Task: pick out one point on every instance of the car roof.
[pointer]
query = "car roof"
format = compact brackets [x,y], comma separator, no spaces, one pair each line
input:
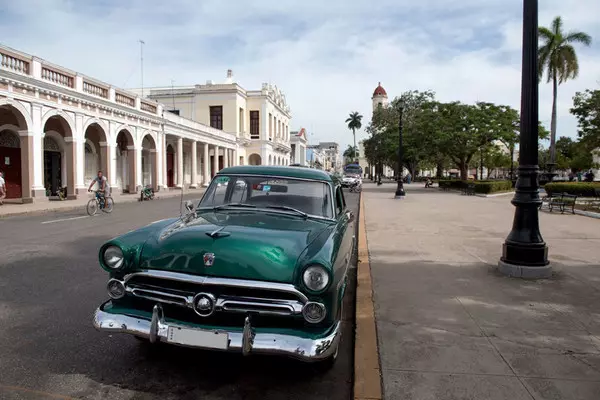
[279,170]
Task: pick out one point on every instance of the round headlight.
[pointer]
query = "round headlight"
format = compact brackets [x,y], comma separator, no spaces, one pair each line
[315,278]
[113,257]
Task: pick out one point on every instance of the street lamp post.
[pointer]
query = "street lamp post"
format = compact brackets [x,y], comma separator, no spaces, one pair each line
[400,189]
[524,253]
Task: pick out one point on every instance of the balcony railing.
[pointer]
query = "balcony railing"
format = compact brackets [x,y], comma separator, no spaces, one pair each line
[57,77]
[13,63]
[95,90]
[149,107]
[122,98]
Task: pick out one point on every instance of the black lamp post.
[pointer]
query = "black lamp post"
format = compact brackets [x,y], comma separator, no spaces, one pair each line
[400,189]
[524,253]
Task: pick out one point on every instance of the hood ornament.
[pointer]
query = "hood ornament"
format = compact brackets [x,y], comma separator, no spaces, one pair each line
[218,233]
[209,259]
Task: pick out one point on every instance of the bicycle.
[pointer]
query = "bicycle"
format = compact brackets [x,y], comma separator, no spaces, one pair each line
[104,203]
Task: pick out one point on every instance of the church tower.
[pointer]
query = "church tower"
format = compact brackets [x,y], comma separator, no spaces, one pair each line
[379,97]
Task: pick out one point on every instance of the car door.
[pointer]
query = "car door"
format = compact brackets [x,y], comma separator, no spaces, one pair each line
[343,237]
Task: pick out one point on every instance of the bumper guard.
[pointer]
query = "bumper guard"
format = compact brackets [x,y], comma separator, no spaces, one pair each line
[247,342]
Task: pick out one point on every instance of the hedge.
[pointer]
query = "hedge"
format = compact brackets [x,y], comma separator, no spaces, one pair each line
[582,189]
[484,187]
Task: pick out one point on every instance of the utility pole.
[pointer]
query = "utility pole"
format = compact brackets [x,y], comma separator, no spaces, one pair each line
[142,43]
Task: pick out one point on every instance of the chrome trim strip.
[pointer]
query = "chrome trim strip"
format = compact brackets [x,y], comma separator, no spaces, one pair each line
[212,281]
[247,341]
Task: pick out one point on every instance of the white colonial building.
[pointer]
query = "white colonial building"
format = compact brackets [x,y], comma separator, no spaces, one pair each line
[260,118]
[298,142]
[59,127]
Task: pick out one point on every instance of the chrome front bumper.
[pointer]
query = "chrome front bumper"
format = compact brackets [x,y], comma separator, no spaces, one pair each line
[246,342]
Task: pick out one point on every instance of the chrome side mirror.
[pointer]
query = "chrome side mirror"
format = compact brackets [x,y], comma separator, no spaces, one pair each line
[189,205]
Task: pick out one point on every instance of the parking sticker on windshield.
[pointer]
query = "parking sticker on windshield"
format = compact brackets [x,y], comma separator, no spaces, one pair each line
[266,188]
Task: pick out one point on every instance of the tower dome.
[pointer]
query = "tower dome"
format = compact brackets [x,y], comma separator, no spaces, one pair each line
[379,91]
[379,97]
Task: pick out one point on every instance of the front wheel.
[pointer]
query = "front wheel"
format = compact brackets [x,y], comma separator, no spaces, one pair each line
[92,207]
[108,205]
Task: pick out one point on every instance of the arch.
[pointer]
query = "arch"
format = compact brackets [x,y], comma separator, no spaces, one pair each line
[128,138]
[150,137]
[10,127]
[93,120]
[57,137]
[62,116]
[91,145]
[170,148]
[23,115]
[9,138]
[129,131]
[96,133]
[254,159]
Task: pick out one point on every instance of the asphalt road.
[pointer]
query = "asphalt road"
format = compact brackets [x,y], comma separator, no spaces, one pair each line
[50,285]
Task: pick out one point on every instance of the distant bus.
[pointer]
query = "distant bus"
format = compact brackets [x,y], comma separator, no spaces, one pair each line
[353,169]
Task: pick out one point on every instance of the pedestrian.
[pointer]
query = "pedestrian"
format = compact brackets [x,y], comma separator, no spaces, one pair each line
[2,188]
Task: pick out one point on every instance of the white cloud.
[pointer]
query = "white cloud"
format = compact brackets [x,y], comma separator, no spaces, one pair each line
[327,56]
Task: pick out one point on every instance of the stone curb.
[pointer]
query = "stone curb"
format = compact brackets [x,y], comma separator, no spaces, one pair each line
[82,206]
[367,372]
[590,214]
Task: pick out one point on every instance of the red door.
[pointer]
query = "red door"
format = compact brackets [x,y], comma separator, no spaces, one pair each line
[170,169]
[10,164]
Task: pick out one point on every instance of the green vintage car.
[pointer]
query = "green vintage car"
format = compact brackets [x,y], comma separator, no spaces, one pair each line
[258,266]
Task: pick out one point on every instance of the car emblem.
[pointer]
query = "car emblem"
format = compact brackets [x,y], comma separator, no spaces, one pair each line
[209,259]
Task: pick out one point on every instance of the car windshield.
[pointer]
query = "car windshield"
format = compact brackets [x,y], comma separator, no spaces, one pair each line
[310,197]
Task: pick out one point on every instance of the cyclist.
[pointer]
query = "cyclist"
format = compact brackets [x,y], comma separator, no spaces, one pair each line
[103,187]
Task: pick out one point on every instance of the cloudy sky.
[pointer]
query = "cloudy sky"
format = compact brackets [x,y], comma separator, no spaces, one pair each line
[327,56]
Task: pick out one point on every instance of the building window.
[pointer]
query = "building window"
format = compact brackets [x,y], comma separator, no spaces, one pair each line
[254,125]
[216,117]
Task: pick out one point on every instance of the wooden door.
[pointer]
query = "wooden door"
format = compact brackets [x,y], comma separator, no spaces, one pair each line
[10,164]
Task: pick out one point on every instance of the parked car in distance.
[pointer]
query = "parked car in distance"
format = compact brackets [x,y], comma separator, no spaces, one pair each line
[258,266]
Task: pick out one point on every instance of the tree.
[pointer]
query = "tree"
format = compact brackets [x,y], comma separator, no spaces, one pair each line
[557,56]
[354,122]
[586,108]
[384,131]
[351,153]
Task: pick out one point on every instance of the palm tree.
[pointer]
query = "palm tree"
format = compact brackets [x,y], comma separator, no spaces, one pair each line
[354,123]
[351,152]
[557,56]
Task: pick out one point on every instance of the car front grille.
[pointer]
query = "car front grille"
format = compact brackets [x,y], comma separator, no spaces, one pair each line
[230,295]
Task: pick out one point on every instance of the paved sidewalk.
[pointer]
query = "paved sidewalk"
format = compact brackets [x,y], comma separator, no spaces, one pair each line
[449,327]
[10,209]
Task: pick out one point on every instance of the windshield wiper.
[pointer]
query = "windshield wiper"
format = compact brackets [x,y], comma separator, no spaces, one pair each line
[286,208]
[234,205]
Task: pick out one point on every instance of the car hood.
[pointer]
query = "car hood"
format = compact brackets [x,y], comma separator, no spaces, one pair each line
[243,245]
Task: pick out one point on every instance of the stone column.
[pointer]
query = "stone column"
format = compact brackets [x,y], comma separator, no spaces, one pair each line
[216,161]
[179,183]
[194,183]
[236,157]
[71,156]
[155,168]
[225,157]
[164,160]
[79,145]
[133,154]
[37,131]
[27,166]
[105,160]
[205,165]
